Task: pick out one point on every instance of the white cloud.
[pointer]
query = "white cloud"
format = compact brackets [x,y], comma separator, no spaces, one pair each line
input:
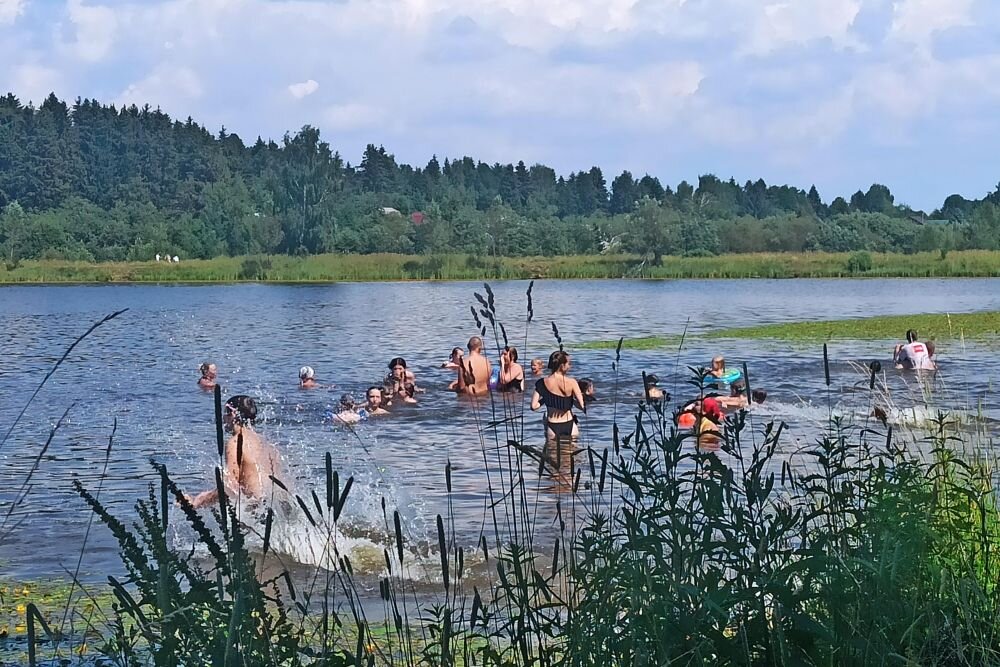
[95,28]
[352,116]
[816,124]
[657,92]
[916,21]
[10,10]
[923,86]
[792,22]
[304,89]
[167,85]
[34,82]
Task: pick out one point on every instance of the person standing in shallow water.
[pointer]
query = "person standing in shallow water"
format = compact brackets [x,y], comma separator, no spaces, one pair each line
[249,461]
[558,393]
[913,355]
[208,375]
[474,378]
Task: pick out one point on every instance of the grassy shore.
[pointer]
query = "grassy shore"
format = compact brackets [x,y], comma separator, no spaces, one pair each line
[932,326]
[335,268]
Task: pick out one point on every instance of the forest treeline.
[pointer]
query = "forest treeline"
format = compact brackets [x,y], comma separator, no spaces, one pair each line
[92,182]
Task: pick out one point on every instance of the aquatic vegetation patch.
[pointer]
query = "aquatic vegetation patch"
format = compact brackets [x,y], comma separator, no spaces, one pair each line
[983,325]
[931,326]
[642,343]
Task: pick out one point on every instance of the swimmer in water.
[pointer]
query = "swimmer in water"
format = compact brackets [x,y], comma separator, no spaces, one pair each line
[454,363]
[511,372]
[738,400]
[208,375]
[349,412]
[398,376]
[307,378]
[537,366]
[718,366]
[250,462]
[373,403]
[653,392]
[708,429]
[474,378]
[454,359]
[588,390]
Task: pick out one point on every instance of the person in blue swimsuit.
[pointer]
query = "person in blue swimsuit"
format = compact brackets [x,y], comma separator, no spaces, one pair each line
[558,393]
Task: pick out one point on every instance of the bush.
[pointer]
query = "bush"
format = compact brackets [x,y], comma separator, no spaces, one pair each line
[859,262]
[427,269]
[255,268]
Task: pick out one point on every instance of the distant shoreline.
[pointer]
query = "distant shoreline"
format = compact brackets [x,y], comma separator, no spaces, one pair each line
[319,269]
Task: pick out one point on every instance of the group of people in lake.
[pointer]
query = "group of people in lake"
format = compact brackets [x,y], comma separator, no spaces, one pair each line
[557,393]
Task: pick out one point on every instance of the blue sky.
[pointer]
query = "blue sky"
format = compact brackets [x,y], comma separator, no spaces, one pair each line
[840,93]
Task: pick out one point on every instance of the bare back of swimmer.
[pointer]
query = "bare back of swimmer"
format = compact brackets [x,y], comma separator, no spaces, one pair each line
[474,378]
[249,461]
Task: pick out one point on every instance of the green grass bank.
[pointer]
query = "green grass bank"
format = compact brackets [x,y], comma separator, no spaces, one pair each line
[347,268]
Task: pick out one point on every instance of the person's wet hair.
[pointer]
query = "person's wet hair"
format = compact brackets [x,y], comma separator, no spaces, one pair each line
[397,361]
[511,352]
[243,409]
[738,388]
[205,367]
[758,395]
[652,380]
[911,335]
[475,343]
[585,385]
[347,401]
[377,390]
[557,359]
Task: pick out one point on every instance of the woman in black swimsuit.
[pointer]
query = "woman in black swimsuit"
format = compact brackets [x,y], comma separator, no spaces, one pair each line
[558,393]
[511,373]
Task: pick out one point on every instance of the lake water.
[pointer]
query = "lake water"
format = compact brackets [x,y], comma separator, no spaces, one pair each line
[141,369]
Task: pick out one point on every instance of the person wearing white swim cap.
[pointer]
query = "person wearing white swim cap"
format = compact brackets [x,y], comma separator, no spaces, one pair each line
[307,378]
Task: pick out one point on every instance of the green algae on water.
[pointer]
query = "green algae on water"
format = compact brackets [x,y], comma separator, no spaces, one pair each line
[929,326]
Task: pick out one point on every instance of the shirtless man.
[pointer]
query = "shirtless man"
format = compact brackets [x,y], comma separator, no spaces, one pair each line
[474,380]
[913,355]
[208,375]
[248,467]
